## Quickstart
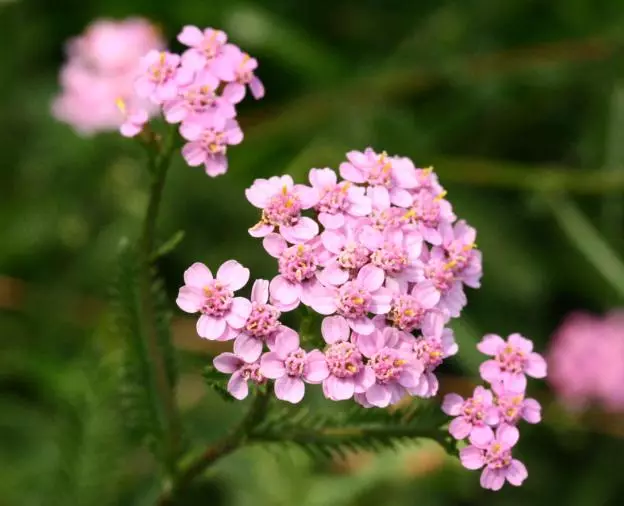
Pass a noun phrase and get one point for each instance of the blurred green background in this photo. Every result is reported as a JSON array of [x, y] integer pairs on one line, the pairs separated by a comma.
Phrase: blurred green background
[[519, 105]]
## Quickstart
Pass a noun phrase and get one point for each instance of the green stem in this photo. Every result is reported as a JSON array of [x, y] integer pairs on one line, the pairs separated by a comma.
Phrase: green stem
[[159, 165], [230, 443], [582, 234]]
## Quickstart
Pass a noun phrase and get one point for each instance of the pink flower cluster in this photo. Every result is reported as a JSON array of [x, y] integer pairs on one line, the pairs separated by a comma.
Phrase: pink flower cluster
[[377, 253], [100, 71], [489, 417], [199, 89], [586, 361]]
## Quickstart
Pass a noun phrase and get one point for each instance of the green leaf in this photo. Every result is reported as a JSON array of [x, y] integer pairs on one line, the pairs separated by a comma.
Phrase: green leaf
[[138, 397], [330, 435], [217, 381], [169, 245]]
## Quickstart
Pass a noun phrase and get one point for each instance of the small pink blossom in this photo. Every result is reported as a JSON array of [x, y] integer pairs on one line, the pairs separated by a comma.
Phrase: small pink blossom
[[242, 372], [199, 103], [475, 416], [290, 366], [431, 352], [513, 406], [261, 326], [496, 456], [513, 359], [417, 309], [161, 76], [134, 120], [346, 252], [338, 201], [463, 257], [355, 299], [347, 372], [237, 70], [298, 266], [208, 144], [395, 369], [222, 315], [427, 215], [392, 176], [207, 47], [434, 267], [281, 202]]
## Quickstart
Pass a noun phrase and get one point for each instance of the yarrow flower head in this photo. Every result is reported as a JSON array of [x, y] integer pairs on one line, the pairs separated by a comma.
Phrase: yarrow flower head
[[99, 74], [586, 361], [120, 76], [489, 418]]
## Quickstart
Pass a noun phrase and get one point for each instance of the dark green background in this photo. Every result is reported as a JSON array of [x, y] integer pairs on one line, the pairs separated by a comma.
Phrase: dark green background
[[518, 103]]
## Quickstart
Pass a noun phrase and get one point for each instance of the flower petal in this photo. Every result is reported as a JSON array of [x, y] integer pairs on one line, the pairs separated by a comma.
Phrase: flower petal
[[471, 457], [210, 327], [197, 275], [289, 389], [227, 363], [334, 328], [233, 275], [248, 348], [452, 404], [490, 344], [237, 386], [315, 369], [239, 312], [272, 366]]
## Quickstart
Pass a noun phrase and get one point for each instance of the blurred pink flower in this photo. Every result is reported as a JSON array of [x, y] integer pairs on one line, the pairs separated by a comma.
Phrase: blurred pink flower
[[102, 65], [586, 361]]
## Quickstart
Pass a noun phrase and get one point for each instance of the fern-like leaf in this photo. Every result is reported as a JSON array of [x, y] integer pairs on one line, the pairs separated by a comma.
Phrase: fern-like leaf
[[138, 398], [332, 435], [217, 381]]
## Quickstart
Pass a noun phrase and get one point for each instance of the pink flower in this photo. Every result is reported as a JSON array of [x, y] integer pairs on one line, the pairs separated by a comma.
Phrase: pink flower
[[586, 361], [261, 326], [395, 369], [101, 68], [114, 47], [298, 265], [134, 120], [434, 267], [475, 416], [464, 259], [355, 299], [426, 216], [512, 360], [222, 315], [496, 456], [208, 142], [391, 175], [199, 102], [207, 47], [513, 406], [417, 309], [290, 365], [337, 200], [281, 202], [347, 372], [346, 252], [431, 352], [238, 71], [242, 372], [161, 76], [395, 253]]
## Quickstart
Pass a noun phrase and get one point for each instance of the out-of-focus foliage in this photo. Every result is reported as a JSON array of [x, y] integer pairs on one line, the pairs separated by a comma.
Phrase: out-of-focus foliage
[[519, 106]]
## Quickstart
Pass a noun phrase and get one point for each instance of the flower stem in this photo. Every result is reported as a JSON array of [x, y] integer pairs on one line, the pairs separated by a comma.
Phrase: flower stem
[[228, 444], [158, 165]]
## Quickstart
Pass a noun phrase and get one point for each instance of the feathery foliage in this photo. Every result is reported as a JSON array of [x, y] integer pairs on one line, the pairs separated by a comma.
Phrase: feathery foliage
[[330, 435]]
